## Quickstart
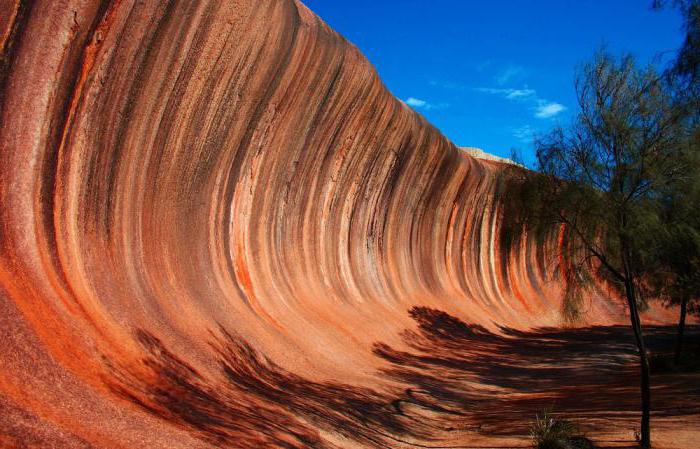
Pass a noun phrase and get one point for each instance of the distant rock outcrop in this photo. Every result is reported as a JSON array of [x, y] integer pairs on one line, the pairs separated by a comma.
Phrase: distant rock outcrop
[[481, 154]]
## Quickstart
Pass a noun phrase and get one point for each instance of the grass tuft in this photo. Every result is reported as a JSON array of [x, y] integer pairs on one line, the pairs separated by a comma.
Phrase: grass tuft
[[550, 432]]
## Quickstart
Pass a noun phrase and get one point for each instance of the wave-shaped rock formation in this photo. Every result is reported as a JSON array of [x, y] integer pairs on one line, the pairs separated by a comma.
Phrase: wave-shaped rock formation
[[219, 229]]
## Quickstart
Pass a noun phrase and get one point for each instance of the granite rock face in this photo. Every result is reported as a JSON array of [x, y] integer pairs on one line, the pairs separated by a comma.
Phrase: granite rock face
[[219, 229]]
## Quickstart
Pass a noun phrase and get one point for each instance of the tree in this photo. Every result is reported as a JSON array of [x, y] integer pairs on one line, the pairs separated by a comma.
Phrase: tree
[[687, 63], [679, 281], [601, 188], [680, 284]]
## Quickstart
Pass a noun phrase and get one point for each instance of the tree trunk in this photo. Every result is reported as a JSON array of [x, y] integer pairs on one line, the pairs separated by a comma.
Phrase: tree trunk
[[645, 440], [681, 331]]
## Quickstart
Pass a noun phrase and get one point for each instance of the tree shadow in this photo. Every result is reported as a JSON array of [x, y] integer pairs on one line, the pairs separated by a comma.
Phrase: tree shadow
[[499, 380], [255, 402], [450, 381]]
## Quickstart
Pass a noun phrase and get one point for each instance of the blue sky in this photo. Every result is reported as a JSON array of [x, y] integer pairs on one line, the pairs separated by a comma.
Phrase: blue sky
[[491, 74]]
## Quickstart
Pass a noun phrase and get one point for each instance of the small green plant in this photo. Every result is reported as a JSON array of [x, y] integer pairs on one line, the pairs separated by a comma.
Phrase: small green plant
[[550, 432]]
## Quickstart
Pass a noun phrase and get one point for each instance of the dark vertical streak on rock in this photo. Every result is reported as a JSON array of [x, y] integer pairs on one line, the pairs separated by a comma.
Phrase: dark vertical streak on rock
[[8, 47]]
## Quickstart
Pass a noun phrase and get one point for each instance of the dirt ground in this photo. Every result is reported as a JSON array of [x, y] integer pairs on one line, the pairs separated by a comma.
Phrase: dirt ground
[[494, 384]]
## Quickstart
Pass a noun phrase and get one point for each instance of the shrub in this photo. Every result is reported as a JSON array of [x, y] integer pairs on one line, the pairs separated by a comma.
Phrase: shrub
[[549, 432]]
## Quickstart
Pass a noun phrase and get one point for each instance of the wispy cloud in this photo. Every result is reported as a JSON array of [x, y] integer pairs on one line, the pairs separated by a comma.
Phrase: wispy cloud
[[524, 133], [417, 103], [547, 109], [544, 109], [510, 94], [509, 74]]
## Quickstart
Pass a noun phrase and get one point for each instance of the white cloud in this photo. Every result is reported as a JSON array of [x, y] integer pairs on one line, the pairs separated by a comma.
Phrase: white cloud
[[510, 94], [547, 109], [416, 103], [509, 74]]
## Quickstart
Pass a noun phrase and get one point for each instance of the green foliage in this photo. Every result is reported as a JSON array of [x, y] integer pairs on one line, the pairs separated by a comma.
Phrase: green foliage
[[680, 256], [604, 180], [617, 189], [607, 187], [687, 64]]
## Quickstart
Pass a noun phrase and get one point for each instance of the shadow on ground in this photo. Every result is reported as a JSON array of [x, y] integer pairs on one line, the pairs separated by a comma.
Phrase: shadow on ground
[[451, 378], [500, 380]]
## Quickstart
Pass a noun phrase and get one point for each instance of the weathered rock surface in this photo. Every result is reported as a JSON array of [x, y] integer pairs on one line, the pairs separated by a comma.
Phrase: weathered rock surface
[[219, 229]]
